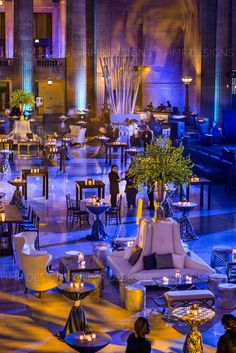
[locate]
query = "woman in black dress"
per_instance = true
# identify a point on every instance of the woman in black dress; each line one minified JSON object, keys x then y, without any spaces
{"x":137,"y":343}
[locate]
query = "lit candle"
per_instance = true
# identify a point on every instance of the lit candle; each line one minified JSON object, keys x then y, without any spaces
{"x":80,"y":257}
{"x":89,"y":339}
{"x":165,"y":280}
{"x":81,"y":337}
{"x":82,"y":263}
{"x":82,"y":284}
{"x":71,"y":284}
{"x":94,"y":335}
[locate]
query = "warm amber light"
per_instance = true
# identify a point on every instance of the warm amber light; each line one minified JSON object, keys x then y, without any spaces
{"x":1,"y":3}
{"x":49,"y":81}
{"x":187,"y":80}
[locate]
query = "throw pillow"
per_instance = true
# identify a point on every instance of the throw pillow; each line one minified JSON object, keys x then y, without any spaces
{"x":135,"y":255}
{"x":149,"y":262}
{"x":164,"y":261}
{"x":127,"y":254}
{"x":178,"y":260}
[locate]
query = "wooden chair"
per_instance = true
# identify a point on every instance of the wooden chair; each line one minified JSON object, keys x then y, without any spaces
{"x":114,"y":212}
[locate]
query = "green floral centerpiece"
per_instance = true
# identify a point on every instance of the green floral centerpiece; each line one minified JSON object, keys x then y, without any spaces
{"x":162,"y":164}
{"x":20,"y":98}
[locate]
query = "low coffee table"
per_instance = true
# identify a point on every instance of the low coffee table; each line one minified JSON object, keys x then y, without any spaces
{"x":70,"y":265}
{"x":101,"y":341}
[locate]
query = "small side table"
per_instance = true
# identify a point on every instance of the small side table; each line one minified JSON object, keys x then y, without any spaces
{"x":101,"y":341}
{"x":17,"y":198}
{"x":118,"y":145}
{"x":76,"y":320}
{"x":98,"y":231}
{"x":193,"y":341}
{"x":186,"y":229}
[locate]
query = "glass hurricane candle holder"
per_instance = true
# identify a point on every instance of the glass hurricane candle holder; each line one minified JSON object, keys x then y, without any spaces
{"x":80,"y":257}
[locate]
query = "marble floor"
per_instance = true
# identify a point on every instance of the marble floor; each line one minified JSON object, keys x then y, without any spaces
{"x":28,"y":324}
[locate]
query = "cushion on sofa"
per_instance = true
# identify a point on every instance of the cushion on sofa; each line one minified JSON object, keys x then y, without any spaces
{"x":135,"y":255}
{"x":164,"y":261}
{"x":178,"y":261}
{"x":149,"y":262}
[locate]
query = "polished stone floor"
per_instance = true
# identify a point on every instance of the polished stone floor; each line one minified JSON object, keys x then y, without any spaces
{"x":28,"y":324}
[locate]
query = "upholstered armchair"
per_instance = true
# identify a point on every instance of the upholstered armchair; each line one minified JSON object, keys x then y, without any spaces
{"x":37,"y":278}
{"x":77,"y":134}
{"x":25,"y":241}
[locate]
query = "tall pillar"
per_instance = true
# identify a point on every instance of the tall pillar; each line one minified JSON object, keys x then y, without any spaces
{"x":223,"y":58}
{"x":23,"y":39}
{"x":76,"y":54}
{"x":102,"y":46}
{"x":9,"y":28}
{"x":56,"y":40}
{"x":62,"y":29}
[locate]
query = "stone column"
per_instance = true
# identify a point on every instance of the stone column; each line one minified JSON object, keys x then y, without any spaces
{"x":208,"y":11}
{"x":23,"y":39}
{"x":102,"y":46}
{"x":223,"y":59}
{"x":56,"y":40}
{"x":62,"y":29}
{"x":76,"y":54}
{"x":9,"y":28}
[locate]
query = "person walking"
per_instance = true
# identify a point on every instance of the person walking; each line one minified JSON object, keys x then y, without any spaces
{"x":227,"y":342}
{"x":137,"y":342}
{"x":114,"y":185}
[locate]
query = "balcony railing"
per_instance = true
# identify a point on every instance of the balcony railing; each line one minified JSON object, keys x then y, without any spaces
{"x":49,"y":62}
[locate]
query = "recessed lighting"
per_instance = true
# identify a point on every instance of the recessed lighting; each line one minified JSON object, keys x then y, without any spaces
{"x":36,"y":40}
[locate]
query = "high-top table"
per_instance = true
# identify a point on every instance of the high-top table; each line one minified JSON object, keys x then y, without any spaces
{"x":98,"y":231}
{"x":76,"y":320}
{"x":101,"y":341}
{"x":186,"y":229}
{"x":84,"y":184}
{"x":193,"y":318}
{"x":202,"y":182}
{"x":17,"y":198}
{"x":5,"y":167}
{"x":33,"y":173}
{"x":10,"y":217}
{"x":118,"y":145}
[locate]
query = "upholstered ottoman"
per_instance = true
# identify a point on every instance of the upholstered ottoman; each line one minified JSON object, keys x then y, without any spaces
{"x":214,"y":280}
{"x":226,"y":296}
{"x":135,"y":297}
{"x":101,"y":251}
{"x":175,"y":299}
{"x":95,"y":279}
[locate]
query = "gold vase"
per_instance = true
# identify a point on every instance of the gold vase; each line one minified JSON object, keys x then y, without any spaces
{"x":159,"y":195}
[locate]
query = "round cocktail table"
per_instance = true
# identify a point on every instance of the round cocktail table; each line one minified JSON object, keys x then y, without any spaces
{"x":186,"y":229}
{"x":101,"y":341}
{"x":17,"y":198}
{"x":5,"y":165}
{"x":193,"y":318}
{"x":76,"y":320}
{"x":98,"y":231}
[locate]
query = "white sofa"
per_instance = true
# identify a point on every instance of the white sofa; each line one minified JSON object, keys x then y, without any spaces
{"x":160,"y":238}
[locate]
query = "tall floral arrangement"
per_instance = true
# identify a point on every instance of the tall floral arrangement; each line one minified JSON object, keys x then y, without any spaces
{"x":20,"y":98}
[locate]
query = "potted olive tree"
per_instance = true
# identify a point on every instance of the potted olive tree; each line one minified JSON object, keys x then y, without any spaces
{"x":20,"y":98}
{"x":161,"y":165}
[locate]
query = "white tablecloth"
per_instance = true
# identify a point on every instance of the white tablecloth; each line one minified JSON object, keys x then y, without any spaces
{"x":92,"y":217}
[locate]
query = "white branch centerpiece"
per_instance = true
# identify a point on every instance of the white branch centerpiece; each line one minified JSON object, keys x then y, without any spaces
{"x":162,"y":164}
{"x":121,"y":78}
